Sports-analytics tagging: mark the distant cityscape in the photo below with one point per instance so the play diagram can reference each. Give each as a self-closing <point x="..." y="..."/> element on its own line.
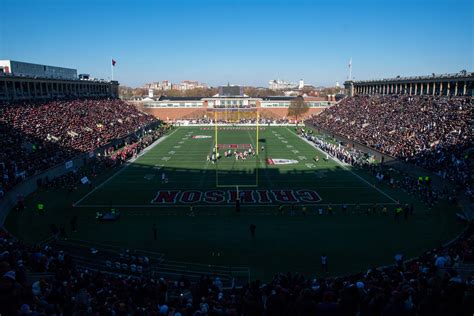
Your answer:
<point x="185" y="85"/>
<point x="284" y="85"/>
<point x="274" y="84"/>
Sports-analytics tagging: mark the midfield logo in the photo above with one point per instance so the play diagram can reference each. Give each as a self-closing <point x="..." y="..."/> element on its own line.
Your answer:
<point x="230" y="196"/>
<point x="279" y="161"/>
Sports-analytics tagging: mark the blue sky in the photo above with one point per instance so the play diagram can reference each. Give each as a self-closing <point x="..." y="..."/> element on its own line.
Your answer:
<point x="242" y="42"/>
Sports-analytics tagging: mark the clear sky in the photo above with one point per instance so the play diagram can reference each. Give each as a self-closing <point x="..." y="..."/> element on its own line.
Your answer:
<point x="245" y="42"/>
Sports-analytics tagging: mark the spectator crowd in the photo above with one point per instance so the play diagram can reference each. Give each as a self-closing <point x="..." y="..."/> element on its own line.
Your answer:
<point x="39" y="135"/>
<point x="383" y="173"/>
<point x="114" y="156"/>
<point x="431" y="132"/>
<point x="430" y="285"/>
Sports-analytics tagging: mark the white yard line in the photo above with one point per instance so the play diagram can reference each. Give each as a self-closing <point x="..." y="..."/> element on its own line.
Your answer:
<point x="345" y="167"/>
<point x="128" y="163"/>
<point x="203" y="176"/>
<point x="260" y="162"/>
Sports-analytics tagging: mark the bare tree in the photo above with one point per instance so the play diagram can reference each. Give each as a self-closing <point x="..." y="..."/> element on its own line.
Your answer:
<point x="297" y="107"/>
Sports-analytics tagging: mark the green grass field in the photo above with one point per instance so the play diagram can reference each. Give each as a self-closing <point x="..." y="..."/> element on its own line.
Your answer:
<point x="217" y="234"/>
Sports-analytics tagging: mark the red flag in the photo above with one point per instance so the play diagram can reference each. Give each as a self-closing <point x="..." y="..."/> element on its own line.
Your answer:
<point x="113" y="62"/>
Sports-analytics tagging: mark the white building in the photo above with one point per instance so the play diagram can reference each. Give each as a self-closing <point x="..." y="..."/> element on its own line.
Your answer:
<point x="280" y="85"/>
<point x="301" y="84"/>
<point x="182" y="86"/>
<point x="284" y="85"/>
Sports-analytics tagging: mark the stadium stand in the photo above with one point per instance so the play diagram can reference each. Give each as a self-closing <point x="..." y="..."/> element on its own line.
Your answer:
<point x="48" y="279"/>
<point x="383" y="173"/>
<point x="38" y="135"/>
<point x="42" y="280"/>
<point x="431" y="132"/>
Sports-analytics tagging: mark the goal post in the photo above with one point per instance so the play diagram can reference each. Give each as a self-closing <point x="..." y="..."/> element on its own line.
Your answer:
<point x="232" y="176"/>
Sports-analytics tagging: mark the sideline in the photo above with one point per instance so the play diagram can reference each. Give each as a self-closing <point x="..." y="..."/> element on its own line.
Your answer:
<point x="345" y="166"/>
<point x="127" y="164"/>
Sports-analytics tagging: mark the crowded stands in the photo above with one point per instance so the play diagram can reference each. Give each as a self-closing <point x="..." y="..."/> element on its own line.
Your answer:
<point x="43" y="280"/>
<point x="384" y="174"/>
<point x="39" y="135"/>
<point x="429" y="285"/>
<point x="432" y="132"/>
<point x="115" y="156"/>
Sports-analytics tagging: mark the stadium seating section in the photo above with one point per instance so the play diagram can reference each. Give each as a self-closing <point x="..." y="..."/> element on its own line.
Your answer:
<point x="432" y="132"/>
<point x="38" y="135"/>
<point x="429" y="285"/>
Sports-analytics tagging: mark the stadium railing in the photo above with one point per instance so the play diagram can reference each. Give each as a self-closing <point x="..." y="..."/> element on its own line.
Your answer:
<point x="115" y="259"/>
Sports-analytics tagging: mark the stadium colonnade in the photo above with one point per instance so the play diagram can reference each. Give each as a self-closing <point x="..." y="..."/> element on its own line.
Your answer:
<point x="437" y="85"/>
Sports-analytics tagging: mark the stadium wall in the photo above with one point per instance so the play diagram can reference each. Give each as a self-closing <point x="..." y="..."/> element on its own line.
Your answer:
<point x="194" y="113"/>
<point x="175" y="114"/>
<point x="14" y="88"/>
<point x="283" y="112"/>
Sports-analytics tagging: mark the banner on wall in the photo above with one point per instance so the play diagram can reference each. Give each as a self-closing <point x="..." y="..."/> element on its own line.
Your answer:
<point x="85" y="180"/>
<point x="69" y="164"/>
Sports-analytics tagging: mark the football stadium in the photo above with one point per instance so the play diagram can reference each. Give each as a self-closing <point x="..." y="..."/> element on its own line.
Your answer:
<point x="227" y="202"/>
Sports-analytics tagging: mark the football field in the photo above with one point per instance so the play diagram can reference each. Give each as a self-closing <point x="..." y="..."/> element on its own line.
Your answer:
<point x="285" y="171"/>
<point x="165" y="180"/>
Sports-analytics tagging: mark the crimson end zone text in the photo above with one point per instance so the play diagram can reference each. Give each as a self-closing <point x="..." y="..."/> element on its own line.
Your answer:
<point x="230" y="196"/>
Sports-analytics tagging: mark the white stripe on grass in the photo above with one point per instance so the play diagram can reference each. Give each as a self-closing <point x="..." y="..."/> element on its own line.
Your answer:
<point x="344" y="166"/>
<point x="127" y="164"/>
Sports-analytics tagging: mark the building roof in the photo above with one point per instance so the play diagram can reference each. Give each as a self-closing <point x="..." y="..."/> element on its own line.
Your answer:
<point x="278" y="98"/>
<point x="35" y="64"/>
<point x="432" y="77"/>
<point x="164" y="98"/>
<point x="310" y="98"/>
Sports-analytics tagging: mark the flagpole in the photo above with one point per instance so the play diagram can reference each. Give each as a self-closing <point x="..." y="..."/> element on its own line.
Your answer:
<point x="112" y="67"/>
<point x="350" y="69"/>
